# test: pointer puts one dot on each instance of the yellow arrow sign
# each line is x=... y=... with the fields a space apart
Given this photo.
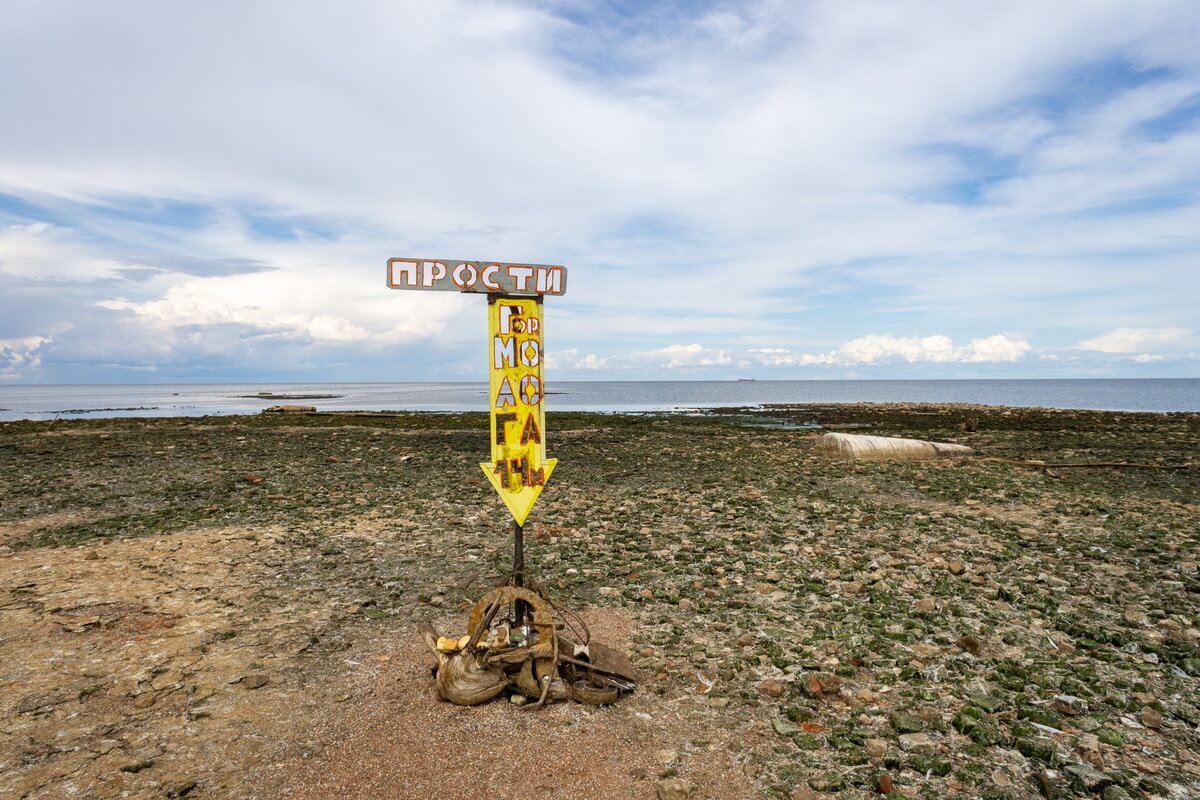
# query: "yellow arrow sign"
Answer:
x=519 y=468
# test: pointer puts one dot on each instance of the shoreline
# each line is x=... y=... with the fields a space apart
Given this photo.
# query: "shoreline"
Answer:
x=967 y=627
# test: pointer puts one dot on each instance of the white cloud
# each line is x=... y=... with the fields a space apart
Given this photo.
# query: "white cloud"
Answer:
x=681 y=355
x=1138 y=340
x=864 y=351
x=571 y=359
x=882 y=348
x=731 y=177
x=45 y=252
x=17 y=356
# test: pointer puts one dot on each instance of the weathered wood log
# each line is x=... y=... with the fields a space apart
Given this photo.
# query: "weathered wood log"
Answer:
x=879 y=448
x=460 y=678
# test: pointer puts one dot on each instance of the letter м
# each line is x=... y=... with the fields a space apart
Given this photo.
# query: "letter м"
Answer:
x=504 y=353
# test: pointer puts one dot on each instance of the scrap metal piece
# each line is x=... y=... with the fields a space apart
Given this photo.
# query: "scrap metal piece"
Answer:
x=543 y=622
x=610 y=660
x=591 y=692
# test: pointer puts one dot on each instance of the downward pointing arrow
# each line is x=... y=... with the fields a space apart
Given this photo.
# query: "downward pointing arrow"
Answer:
x=520 y=500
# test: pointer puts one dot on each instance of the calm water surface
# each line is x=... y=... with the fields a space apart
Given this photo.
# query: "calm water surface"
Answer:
x=162 y=400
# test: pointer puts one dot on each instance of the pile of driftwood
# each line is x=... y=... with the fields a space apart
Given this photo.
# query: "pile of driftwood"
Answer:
x=526 y=651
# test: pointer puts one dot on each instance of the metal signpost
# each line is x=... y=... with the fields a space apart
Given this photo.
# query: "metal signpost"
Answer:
x=519 y=468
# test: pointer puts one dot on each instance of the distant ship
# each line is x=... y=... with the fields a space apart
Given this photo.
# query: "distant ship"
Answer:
x=747 y=379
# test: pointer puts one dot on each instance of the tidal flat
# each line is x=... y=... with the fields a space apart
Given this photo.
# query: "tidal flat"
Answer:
x=225 y=607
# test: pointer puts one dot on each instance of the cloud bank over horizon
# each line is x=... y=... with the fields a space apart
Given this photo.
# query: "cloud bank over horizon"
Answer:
x=739 y=189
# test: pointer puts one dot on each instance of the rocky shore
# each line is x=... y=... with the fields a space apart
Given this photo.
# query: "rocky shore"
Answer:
x=224 y=607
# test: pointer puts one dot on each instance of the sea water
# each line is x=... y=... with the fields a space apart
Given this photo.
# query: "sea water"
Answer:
x=165 y=400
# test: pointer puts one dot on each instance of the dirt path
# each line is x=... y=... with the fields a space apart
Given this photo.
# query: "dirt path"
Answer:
x=180 y=663
x=399 y=743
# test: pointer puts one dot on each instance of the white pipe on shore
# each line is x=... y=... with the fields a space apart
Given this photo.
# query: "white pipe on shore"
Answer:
x=858 y=446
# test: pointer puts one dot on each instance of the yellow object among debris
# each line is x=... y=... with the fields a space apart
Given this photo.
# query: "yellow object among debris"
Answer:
x=879 y=448
x=448 y=644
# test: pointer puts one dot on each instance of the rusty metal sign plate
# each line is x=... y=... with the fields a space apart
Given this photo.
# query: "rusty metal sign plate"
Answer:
x=486 y=277
x=519 y=467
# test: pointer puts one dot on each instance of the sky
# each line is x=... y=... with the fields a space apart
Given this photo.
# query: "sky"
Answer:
x=770 y=189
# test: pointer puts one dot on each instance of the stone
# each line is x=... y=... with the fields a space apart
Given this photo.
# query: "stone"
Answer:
x=805 y=794
x=904 y=722
x=1151 y=718
x=876 y=748
x=926 y=651
x=1135 y=617
x=1087 y=776
x=256 y=681
x=1070 y=705
x=773 y=577
x=745 y=640
x=926 y=604
x=930 y=765
x=772 y=688
x=971 y=644
x=831 y=684
x=1087 y=743
x=1110 y=737
x=866 y=695
x=1114 y=792
x=764 y=588
x=1049 y=783
x=673 y=789
x=989 y=703
x=827 y=782
x=1036 y=747
x=917 y=743
x=143 y=700
x=956 y=567
x=854 y=587
x=666 y=757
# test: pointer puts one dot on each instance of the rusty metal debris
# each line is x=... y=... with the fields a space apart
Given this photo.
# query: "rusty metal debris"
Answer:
x=551 y=657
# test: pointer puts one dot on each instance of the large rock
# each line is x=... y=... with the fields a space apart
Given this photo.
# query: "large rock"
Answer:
x=673 y=789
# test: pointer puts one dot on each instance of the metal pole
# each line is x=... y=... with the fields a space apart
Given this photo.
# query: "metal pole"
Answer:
x=519 y=571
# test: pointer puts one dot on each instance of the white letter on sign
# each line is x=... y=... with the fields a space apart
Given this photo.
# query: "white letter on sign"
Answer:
x=505 y=313
x=464 y=276
x=433 y=271
x=521 y=275
x=405 y=269
x=488 y=280
x=549 y=280
x=505 y=353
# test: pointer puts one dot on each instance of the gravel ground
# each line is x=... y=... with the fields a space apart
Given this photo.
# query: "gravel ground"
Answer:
x=225 y=607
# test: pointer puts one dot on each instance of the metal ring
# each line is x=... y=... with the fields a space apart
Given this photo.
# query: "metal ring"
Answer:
x=592 y=694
